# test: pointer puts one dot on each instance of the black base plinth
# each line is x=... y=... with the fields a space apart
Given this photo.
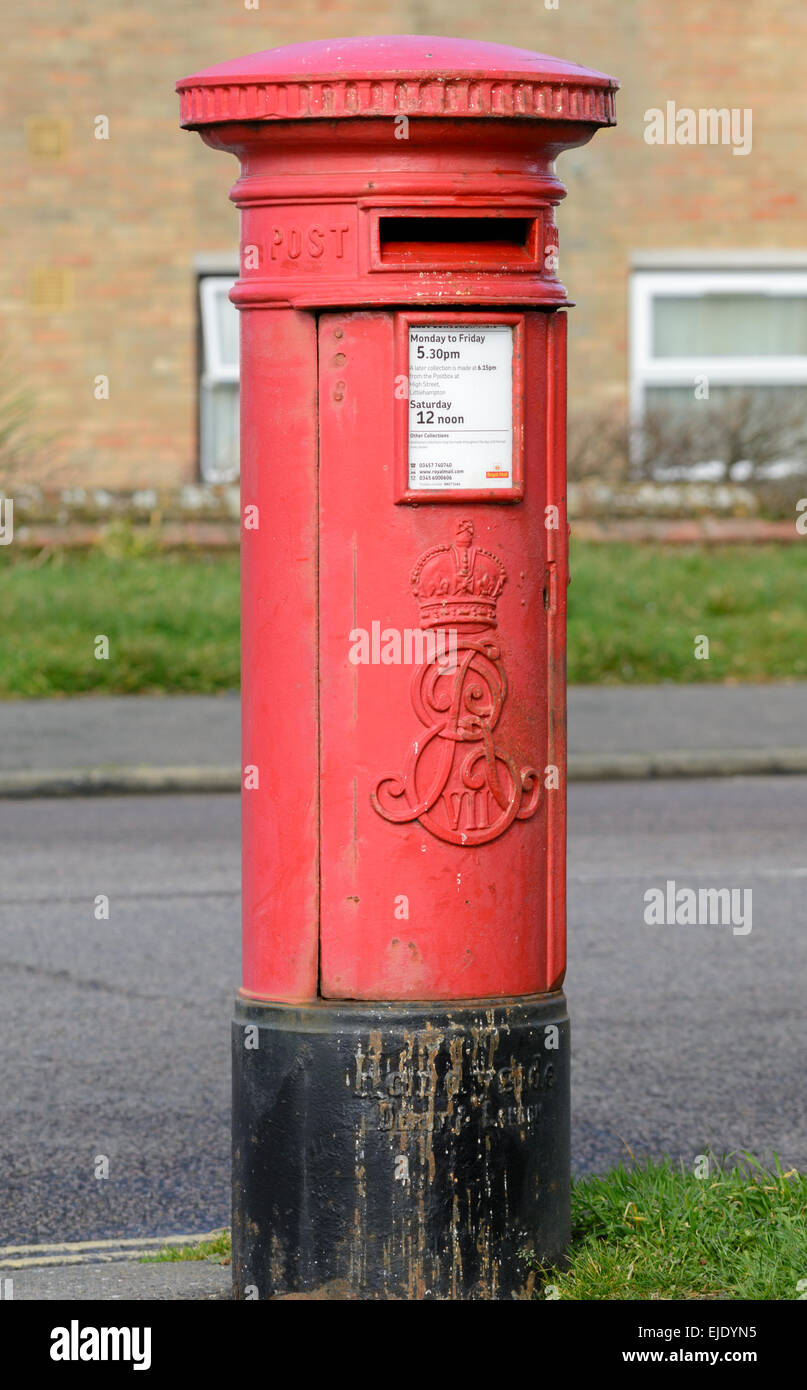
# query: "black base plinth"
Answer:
x=399 y=1151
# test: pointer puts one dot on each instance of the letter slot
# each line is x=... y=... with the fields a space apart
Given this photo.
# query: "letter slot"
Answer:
x=491 y=241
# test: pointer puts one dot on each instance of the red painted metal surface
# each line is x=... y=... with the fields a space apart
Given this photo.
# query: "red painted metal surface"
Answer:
x=340 y=140
x=339 y=77
x=406 y=837
x=439 y=890
x=280 y=868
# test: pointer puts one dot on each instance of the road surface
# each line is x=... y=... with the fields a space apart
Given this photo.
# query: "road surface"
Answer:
x=115 y=1033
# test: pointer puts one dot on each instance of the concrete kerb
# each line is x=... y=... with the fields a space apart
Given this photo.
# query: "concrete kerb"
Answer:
x=116 y=781
x=150 y=781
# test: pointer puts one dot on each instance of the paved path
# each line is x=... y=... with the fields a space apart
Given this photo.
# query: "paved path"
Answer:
x=120 y=730
x=646 y=718
x=127 y=1280
x=153 y=743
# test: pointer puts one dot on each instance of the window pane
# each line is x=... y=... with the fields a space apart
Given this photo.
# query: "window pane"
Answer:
x=227 y=328
x=219 y=432
x=219 y=325
x=729 y=325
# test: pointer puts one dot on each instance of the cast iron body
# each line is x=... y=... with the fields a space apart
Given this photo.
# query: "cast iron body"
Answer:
x=400 y=1045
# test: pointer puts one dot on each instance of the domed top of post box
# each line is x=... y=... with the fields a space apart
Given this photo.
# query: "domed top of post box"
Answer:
x=412 y=75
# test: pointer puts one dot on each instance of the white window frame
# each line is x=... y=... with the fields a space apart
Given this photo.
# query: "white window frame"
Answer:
x=214 y=371
x=647 y=370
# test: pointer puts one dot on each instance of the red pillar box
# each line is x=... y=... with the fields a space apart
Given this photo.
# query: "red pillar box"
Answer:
x=401 y=1045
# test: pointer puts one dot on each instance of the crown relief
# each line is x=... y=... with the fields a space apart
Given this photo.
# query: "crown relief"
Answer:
x=458 y=582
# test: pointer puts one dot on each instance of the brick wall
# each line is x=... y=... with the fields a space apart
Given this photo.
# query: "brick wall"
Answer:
x=97 y=274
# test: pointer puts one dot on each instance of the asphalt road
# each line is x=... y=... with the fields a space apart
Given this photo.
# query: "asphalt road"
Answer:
x=688 y=1037
x=115 y=1033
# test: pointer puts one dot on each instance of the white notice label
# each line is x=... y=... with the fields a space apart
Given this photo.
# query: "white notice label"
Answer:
x=460 y=407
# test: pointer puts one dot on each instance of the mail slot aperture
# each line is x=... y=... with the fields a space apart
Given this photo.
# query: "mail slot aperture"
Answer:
x=454 y=239
x=464 y=242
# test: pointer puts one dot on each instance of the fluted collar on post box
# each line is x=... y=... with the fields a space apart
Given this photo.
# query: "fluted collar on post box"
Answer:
x=399 y=169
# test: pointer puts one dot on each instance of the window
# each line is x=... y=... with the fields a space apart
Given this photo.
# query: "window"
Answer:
x=719 y=371
x=218 y=385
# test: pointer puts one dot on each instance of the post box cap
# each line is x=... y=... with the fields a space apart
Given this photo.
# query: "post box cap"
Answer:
x=394 y=75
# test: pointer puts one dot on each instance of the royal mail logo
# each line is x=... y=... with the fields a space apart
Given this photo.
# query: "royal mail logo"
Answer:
x=497 y=473
x=456 y=782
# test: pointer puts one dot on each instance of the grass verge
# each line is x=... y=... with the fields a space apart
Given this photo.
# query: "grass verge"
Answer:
x=656 y=1231
x=635 y=612
x=215 y=1250
x=171 y=620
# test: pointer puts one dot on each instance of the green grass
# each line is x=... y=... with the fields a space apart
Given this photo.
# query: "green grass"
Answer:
x=172 y=623
x=172 y=620
x=658 y=1232
x=216 y=1250
x=636 y=610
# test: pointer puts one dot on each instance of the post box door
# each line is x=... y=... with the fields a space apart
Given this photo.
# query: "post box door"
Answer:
x=441 y=767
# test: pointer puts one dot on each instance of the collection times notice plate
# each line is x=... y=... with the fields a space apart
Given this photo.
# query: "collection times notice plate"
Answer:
x=460 y=407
